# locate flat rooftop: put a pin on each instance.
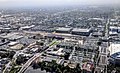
(63, 29)
(114, 48)
(11, 36)
(80, 30)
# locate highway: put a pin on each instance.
(27, 64)
(37, 55)
(101, 60)
(7, 66)
(15, 57)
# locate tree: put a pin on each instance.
(21, 59)
(43, 65)
(65, 71)
(66, 56)
(11, 53)
(111, 67)
(78, 68)
(99, 43)
(117, 69)
(34, 37)
(35, 65)
(67, 68)
(58, 70)
(3, 40)
(4, 55)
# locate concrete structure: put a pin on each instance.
(114, 54)
(82, 32)
(115, 29)
(17, 47)
(63, 30)
(87, 67)
(58, 52)
(114, 48)
(97, 34)
(11, 36)
(113, 33)
(115, 59)
(27, 27)
(12, 43)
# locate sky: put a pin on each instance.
(22, 3)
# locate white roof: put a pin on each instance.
(113, 27)
(11, 36)
(114, 48)
(112, 33)
(25, 27)
(118, 56)
(80, 30)
(113, 19)
(34, 49)
(99, 26)
(58, 52)
(64, 29)
(12, 43)
(118, 28)
(96, 19)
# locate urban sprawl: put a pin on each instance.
(60, 40)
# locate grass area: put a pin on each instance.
(14, 70)
(53, 43)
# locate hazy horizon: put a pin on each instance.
(38, 3)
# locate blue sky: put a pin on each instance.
(8, 3)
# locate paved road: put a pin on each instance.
(27, 64)
(72, 54)
(15, 57)
(31, 70)
(101, 60)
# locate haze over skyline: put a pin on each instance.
(24, 3)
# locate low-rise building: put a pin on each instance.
(11, 36)
(114, 48)
(82, 32)
(17, 47)
(63, 30)
(12, 43)
(87, 67)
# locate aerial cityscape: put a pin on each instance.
(59, 39)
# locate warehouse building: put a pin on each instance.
(114, 54)
(82, 32)
(63, 30)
